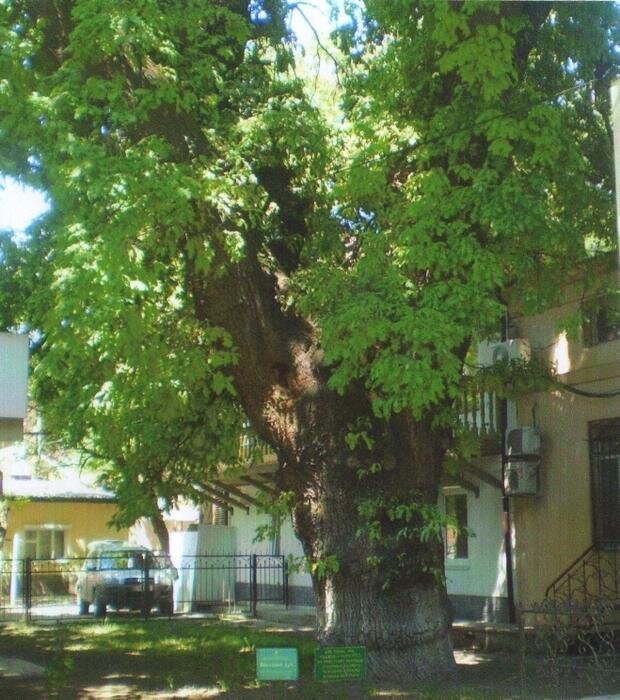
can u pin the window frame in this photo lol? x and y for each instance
(604, 443)
(461, 535)
(33, 535)
(601, 320)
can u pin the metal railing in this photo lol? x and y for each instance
(593, 576)
(241, 581)
(46, 588)
(480, 413)
(569, 643)
(253, 450)
(575, 626)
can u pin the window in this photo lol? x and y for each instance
(219, 515)
(605, 471)
(601, 320)
(44, 543)
(457, 545)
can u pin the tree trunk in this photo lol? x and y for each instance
(382, 588)
(161, 532)
(384, 591)
(406, 633)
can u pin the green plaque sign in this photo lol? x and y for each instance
(277, 664)
(340, 664)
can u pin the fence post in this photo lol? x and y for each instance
(146, 602)
(522, 667)
(27, 587)
(285, 580)
(253, 584)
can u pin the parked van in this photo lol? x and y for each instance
(121, 575)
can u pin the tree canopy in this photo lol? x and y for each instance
(219, 250)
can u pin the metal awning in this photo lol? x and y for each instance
(468, 476)
(458, 480)
(262, 482)
(481, 474)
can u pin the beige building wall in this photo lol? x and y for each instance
(555, 527)
(82, 522)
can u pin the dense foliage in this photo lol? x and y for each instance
(218, 251)
(482, 177)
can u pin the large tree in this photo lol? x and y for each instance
(328, 284)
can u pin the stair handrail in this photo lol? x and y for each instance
(567, 570)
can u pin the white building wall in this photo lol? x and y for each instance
(477, 584)
(13, 375)
(615, 120)
(246, 526)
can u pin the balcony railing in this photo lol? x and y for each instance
(480, 412)
(253, 450)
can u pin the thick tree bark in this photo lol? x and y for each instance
(397, 607)
(405, 628)
(406, 633)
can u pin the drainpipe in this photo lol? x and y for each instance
(2, 517)
(615, 122)
(506, 522)
(507, 530)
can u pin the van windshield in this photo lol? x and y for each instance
(121, 560)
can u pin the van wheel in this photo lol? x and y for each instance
(99, 608)
(83, 606)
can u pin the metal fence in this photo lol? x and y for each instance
(39, 588)
(238, 581)
(572, 639)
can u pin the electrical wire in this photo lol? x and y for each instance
(588, 394)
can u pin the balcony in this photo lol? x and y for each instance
(254, 451)
(480, 412)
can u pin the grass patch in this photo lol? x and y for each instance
(164, 659)
(155, 654)
(177, 658)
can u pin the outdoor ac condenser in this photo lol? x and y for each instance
(521, 478)
(522, 465)
(490, 353)
(524, 441)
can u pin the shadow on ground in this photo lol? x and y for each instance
(169, 659)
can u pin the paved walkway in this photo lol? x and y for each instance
(18, 668)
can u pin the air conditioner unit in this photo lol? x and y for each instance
(522, 478)
(523, 442)
(490, 353)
